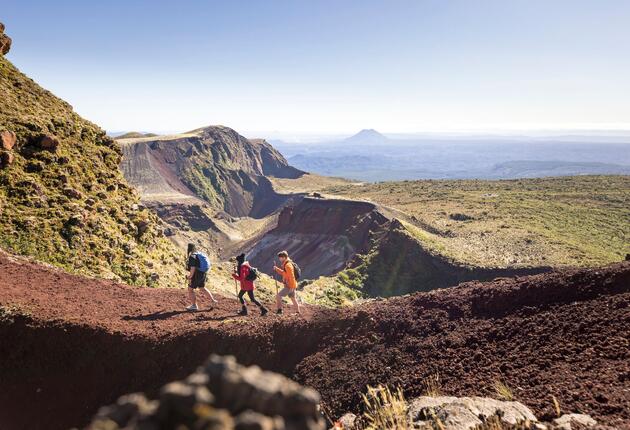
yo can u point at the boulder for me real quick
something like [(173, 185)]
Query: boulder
[(49, 143), (5, 41), (72, 193), (569, 421), (347, 421), (220, 395), (142, 226), (7, 140), (461, 413), (6, 158)]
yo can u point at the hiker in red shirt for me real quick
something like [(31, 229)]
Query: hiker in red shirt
[(245, 274)]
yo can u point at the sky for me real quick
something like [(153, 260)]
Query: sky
[(268, 67)]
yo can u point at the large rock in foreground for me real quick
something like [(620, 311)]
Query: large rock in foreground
[(219, 395), (461, 413)]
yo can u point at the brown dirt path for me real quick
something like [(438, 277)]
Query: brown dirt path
[(69, 344), (49, 294)]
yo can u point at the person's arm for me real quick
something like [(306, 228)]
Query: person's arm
[(278, 270), (191, 273), (238, 276)]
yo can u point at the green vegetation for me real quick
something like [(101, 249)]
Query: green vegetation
[(566, 221), (331, 292), (70, 206)]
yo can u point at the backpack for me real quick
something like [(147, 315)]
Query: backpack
[(253, 274), (297, 272), (204, 261)]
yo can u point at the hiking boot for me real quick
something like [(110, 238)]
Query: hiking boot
[(243, 311), (192, 308), (279, 311), (264, 311)]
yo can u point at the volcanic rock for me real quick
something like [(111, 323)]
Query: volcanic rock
[(143, 226), (6, 158), (7, 139), (220, 395), (569, 421), (49, 142), (72, 193), (348, 421), (466, 412), (5, 41)]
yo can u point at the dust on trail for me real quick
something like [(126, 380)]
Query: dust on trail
[(71, 344)]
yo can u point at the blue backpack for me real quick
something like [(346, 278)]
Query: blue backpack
[(204, 261)]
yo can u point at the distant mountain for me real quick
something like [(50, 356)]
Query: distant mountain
[(134, 135), (366, 137)]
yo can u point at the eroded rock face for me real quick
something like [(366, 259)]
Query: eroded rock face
[(214, 164), (5, 41), (219, 395)]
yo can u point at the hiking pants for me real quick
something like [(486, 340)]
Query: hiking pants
[(251, 297)]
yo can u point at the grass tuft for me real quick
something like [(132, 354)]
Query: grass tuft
[(433, 385), (503, 391), (385, 409)]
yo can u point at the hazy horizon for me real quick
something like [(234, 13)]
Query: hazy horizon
[(328, 67)]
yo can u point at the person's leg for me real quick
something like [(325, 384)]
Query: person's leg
[(192, 297), (252, 298), (209, 294), (293, 297), (279, 297), (243, 310)]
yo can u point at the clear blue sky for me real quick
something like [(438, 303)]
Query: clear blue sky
[(330, 66)]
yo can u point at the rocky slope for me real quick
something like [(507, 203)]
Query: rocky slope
[(59, 180), (366, 246), (214, 164), (322, 235)]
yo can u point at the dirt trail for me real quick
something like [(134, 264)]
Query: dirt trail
[(70, 344)]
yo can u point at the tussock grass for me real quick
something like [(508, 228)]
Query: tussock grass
[(385, 409), (556, 406), (503, 391), (433, 385)]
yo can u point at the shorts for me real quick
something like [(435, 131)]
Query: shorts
[(286, 291), (198, 280)]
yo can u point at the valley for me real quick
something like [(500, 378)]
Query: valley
[(380, 239)]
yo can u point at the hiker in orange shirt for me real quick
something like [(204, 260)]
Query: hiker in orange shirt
[(287, 271)]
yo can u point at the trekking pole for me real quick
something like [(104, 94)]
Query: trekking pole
[(236, 283), (274, 277)]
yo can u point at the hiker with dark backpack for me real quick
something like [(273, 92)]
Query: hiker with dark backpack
[(198, 266), (246, 275), (290, 273)]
